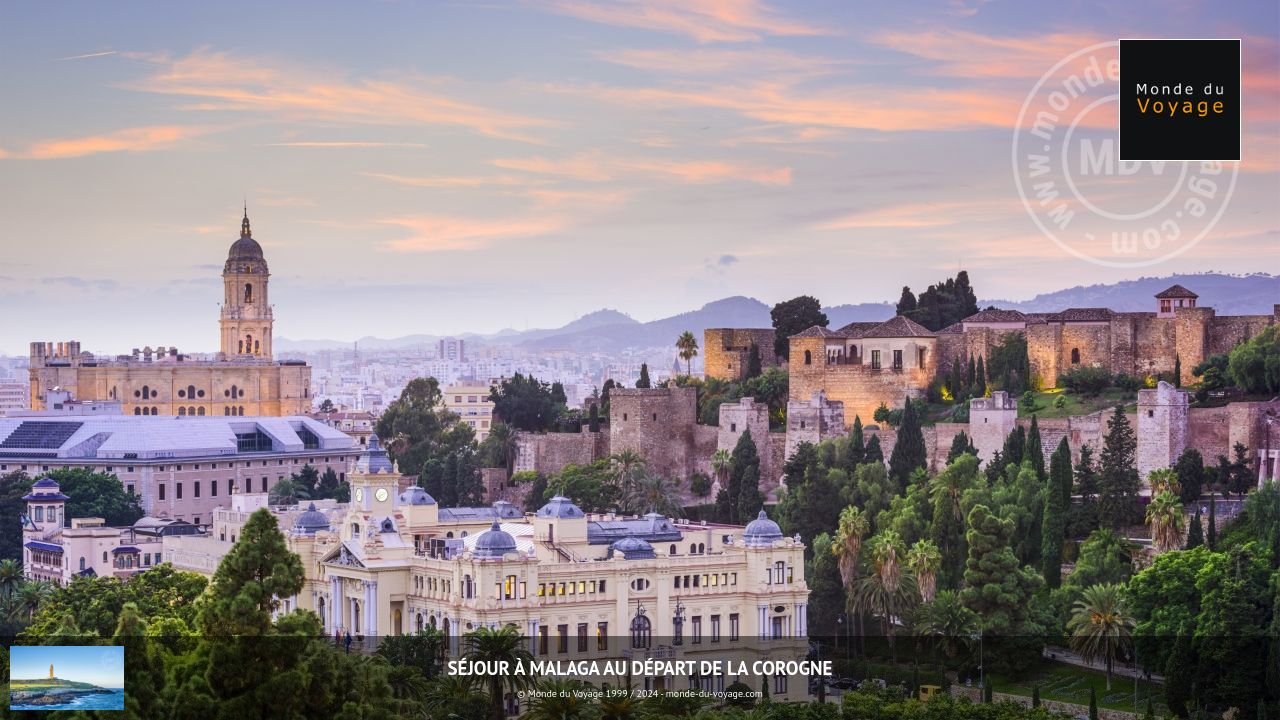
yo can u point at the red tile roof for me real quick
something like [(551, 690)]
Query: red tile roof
[(1176, 291), (899, 327)]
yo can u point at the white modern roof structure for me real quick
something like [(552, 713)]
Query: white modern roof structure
[(142, 438)]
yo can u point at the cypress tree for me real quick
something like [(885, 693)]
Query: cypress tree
[(980, 378), (1195, 533), (1177, 371), (752, 500), (971, 375), (754, 365), (593, 418), (643, 382), (960, 445), (1211, 536), (744, 456), (956, 382), (1055, 515), (986, 691), (1118, 481), (909, 451), (874, 453), (857, 447), (1034, 450), (1015, 447)]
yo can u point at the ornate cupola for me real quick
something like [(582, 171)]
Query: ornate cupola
[(247, 321)]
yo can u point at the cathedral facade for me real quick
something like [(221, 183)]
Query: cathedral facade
[(241, 379)]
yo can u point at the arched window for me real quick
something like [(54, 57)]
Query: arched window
[(82, 563), (240, 348), (191, 411), (200, 411), (146, 392), (191, 391), (1075, 356), (248, 342), (257, 347), (673, 550), (468, 587), (702, 548), (137, 411), (104, 556), (182, 411), (641, 632), (248, 292), (808, 358)]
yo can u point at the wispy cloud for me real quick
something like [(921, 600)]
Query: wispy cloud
[(439, 233), (707, 61), (222, 81), (454, 181), (703, 20), (965, 54), (140, 139), (595, 166), (86, 56), (915, 216), (344, 144)]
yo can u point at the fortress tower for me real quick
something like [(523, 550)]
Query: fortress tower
[(1162, 428), (246, 310)]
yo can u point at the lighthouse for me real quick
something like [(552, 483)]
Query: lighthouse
[(50, 671)]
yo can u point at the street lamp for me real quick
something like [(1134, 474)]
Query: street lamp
[(840, 626), (678, 623)]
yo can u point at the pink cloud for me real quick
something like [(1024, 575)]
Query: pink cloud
[(138, 139), (703, 20), (301, 94), (440, 233), (594, 166), (454, 181)]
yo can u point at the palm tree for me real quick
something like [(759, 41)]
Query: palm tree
[(504, 439), (848, 542), (688, 346), (924, 559), (29, 597), (626, 465), (1167, 520), (10, 577), (1164, 479), (652, 493), (504, 644), (721, 463), (948, 621), (452, 691), (624, 707), (1100, 625), (888, 591)]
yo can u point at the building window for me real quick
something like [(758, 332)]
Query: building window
[(178, 489), (582, 637), (196, 489), (697, 629), (161, 490), (542, 640), (562, 639), (733, 627), (39, 514), (641, 632), (897, 359), (602, 636), (715, 628), (808, 358), (779, 684), (1075, 356)]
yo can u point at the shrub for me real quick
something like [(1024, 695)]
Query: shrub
[(1088, 380), (1060, 402), (1128, 382), (700, 485)]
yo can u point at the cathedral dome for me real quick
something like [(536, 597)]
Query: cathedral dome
[(633, 548), (311, 521), (246, 248)]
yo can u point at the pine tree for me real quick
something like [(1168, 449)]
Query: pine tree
[(993, 565), (1195, 533), (751, 501), (1177, 371), (971, 374), (906, 302), (956, 382), (874, 453), (1034, 450), (643, 382), (960, 445), (1118, 482), (754, 365), (909, 451), (1055, 515)]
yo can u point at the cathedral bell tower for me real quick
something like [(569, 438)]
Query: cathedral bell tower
[(246, 310)]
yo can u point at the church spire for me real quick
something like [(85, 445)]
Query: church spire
[(244, 224)]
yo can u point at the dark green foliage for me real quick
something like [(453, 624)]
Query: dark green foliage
[(960, 445), (979, 388), (826, 592), (857, 447), (744, 479), (1177, 371), (1211, 534), (909, 452), (1104, 557), (942, 304), (416, 428), (1254, 365), (998, 589), (1088, 380), (307, 479), (326, 406), (1009, 367), (793, 316), (526, 403), (1034, 451), (95, 494), (1118, 481), (644, 382), (1190, 469), (874, 453), (94, 603), (1241, 476), (1055, 514), (1093, 703), (1015, 447), (754, 364), (593, 421), (700, 485), (1035, 696)]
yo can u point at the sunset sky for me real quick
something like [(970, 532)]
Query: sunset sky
[(453, 167)]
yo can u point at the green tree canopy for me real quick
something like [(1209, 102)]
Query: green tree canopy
[(793, 316)]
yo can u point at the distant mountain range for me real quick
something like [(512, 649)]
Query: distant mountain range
[(611, 331)]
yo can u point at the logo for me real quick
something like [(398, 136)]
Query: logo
[(1083, 196), (1180, 100)]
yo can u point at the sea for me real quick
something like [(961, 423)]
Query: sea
[(113, 700)]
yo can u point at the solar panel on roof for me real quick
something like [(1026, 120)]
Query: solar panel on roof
[(41, 435)]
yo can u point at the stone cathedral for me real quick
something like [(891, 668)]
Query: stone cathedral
[(242, 378)]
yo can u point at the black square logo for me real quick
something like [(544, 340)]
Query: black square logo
[(1179, 99)]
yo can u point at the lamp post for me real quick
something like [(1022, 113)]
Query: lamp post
[(677, 623), (840, 626)]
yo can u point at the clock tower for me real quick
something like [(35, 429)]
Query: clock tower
[(246, 311), (374, 484)]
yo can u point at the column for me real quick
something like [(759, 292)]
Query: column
[(533, 636), (335, 603), (453, 635)]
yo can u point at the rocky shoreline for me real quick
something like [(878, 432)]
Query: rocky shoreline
[(52, 696)]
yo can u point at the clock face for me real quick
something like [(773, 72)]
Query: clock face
[(381, 494), (359, 494)]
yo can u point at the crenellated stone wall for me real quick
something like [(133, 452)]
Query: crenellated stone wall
[(725, 351)]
